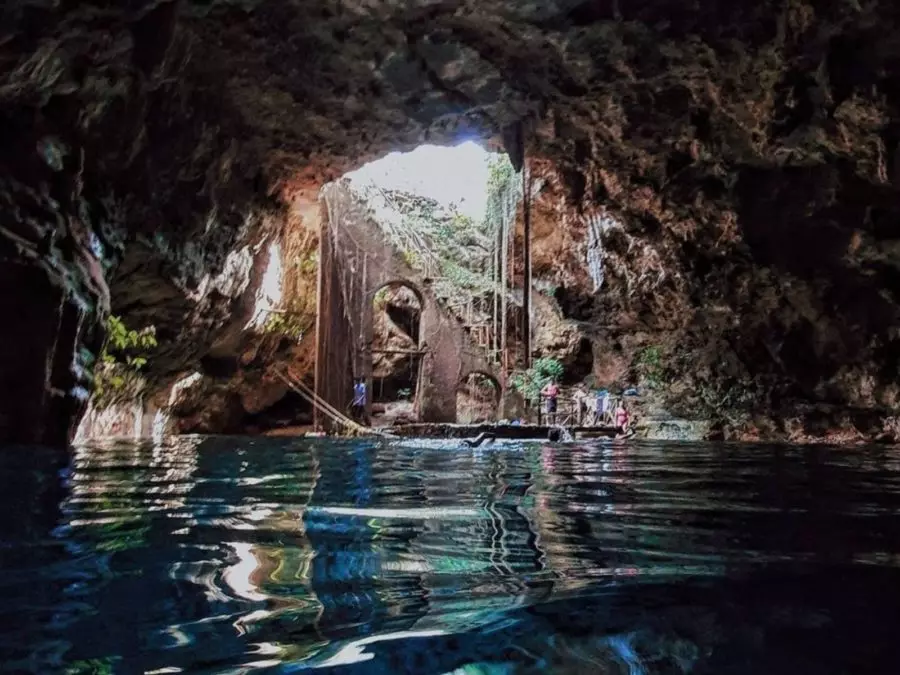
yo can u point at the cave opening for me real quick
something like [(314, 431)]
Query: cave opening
[(292, 410), (441, 220), (405, 317), (155, 201), (435, 178), (582, 364)]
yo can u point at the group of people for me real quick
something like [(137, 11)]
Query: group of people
[(606, 409)]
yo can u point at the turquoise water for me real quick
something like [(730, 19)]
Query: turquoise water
[(236, 555)]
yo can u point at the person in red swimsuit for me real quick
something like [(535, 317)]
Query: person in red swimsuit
[(623, 419)]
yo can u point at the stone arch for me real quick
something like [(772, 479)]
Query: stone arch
[(406, 283), (397, 307), (473, 404), (350, 276), (412, 288)]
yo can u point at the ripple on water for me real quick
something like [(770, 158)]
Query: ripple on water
[(234, 555)]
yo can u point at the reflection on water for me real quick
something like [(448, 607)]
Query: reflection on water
[(228, 555)]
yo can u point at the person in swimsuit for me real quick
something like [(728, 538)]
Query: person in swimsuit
[(481, 438), (551, 393), (623, 419)]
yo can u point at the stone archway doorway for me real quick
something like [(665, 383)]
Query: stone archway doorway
[(397, 309), (477, 398)]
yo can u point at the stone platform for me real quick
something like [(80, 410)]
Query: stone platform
[(510, 431)]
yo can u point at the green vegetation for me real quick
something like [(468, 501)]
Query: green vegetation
[(309, 262), (411, 258), (650, 365), (290, 325), (457, 252), (118, 374), (381, 298), (730, 402), (503, 184), (404, 394), (104, 666), (530, 382)]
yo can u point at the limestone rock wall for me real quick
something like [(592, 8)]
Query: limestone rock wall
[(748, 151)]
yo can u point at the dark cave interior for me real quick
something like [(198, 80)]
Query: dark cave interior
[(747, 151)]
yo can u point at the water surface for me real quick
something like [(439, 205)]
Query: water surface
[(235, 555)]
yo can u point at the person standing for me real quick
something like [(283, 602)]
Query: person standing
[(358, 405), (623, 419), (601, 407), (580, 398), (551, 393)]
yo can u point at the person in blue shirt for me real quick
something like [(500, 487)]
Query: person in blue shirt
[(358, 405), (601, 407)]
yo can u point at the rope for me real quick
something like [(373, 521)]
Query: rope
[(315, 400), (335, 415)]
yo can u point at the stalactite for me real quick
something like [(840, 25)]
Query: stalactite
[(597, 225)]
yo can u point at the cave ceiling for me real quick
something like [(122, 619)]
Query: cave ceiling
[(144, 142)]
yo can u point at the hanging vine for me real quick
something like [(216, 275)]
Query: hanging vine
[(504, 191), (456, 251)]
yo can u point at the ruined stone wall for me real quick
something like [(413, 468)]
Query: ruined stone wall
[(356, 261)]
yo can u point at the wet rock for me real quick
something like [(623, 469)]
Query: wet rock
[(554, 336), (672, 429), (746, 151)]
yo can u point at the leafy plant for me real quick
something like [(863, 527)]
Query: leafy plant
[(309, 263), (530, 382), (128, 344), (457, 252), (291, 325), (104, 666), (411, 258), (404, 394), (117, 377), (381, 298), (650, 365)]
